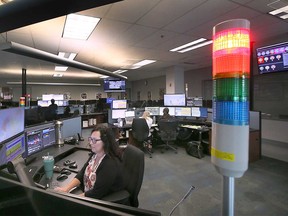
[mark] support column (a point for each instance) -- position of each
(24, 84)
(175, 80)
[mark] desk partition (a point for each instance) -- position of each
(71, 127)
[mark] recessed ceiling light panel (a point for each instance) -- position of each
(61, 68)
(79, 26)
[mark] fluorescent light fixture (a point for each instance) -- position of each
(55, 84)
(142, 63)
(188, 44)
(196, 46)
(284, 16)
(69, 56)
(57, 75)
(120, 71)
(61, 68)
(104, 77)
(79, 26)
(278, 11)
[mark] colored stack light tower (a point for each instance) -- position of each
(231, 71)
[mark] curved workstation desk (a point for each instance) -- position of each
(23, 185)
(36, 195)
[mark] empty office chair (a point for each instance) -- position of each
(168, 130)
(133, 171)
(140, 132)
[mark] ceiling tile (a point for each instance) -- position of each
(167, 11)
(156, 39)
(199, 15)
(108, 30)
(206, 29)
(130, 10)
(134, 34)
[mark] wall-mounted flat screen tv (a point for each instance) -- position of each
(273, 58)
(114, 85)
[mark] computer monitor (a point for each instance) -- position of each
(48, 136)
(153, 110)
(11, 122)
(118, 113)
(12, 149)
(171, 110)
(109, 100)
(174, 100)
(129, 114)
(49, 97)
(201, 112)
(183, 111)
(119, 104)
(42, 103)
(39, 137)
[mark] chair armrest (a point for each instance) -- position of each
(117, 197)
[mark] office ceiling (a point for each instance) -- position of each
(133, 30)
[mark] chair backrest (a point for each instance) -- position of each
(168, 129)
(133, 162)
(140, 129)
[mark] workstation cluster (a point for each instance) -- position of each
(22, 167)
(176, 103)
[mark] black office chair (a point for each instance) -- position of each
(140, 132)
(133, 171)
(168, 130)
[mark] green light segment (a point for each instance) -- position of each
(231, 89)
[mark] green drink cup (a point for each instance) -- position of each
(48, 162)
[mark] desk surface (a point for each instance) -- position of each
(80, 156)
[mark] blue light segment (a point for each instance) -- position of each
(231, 112)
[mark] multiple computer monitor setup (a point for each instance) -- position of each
(12, 139)
(38, 138)
(199, 112)
(16, 141)
(176, 103)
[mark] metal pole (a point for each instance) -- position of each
(24, 84)
(228, 196)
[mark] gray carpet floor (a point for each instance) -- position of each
(263, 190)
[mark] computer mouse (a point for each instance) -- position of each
(73, 166)
(66, 172)
(62, 177)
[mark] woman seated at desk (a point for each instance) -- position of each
(102, 173)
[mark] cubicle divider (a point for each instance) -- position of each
(71, 127)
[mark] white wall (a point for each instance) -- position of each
(275, 130)
(195, 78)
(175, 80)
(153, 85)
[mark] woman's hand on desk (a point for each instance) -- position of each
(61, 189)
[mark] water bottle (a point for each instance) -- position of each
(154, 120)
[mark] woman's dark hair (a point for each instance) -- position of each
(111, 147)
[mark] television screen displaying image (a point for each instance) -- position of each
(174, 100)
(116, 85)
(272, 58)
(11, 122)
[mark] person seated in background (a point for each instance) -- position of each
(102, 173)
(67, 112)
(166, 114)
(149, 120)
